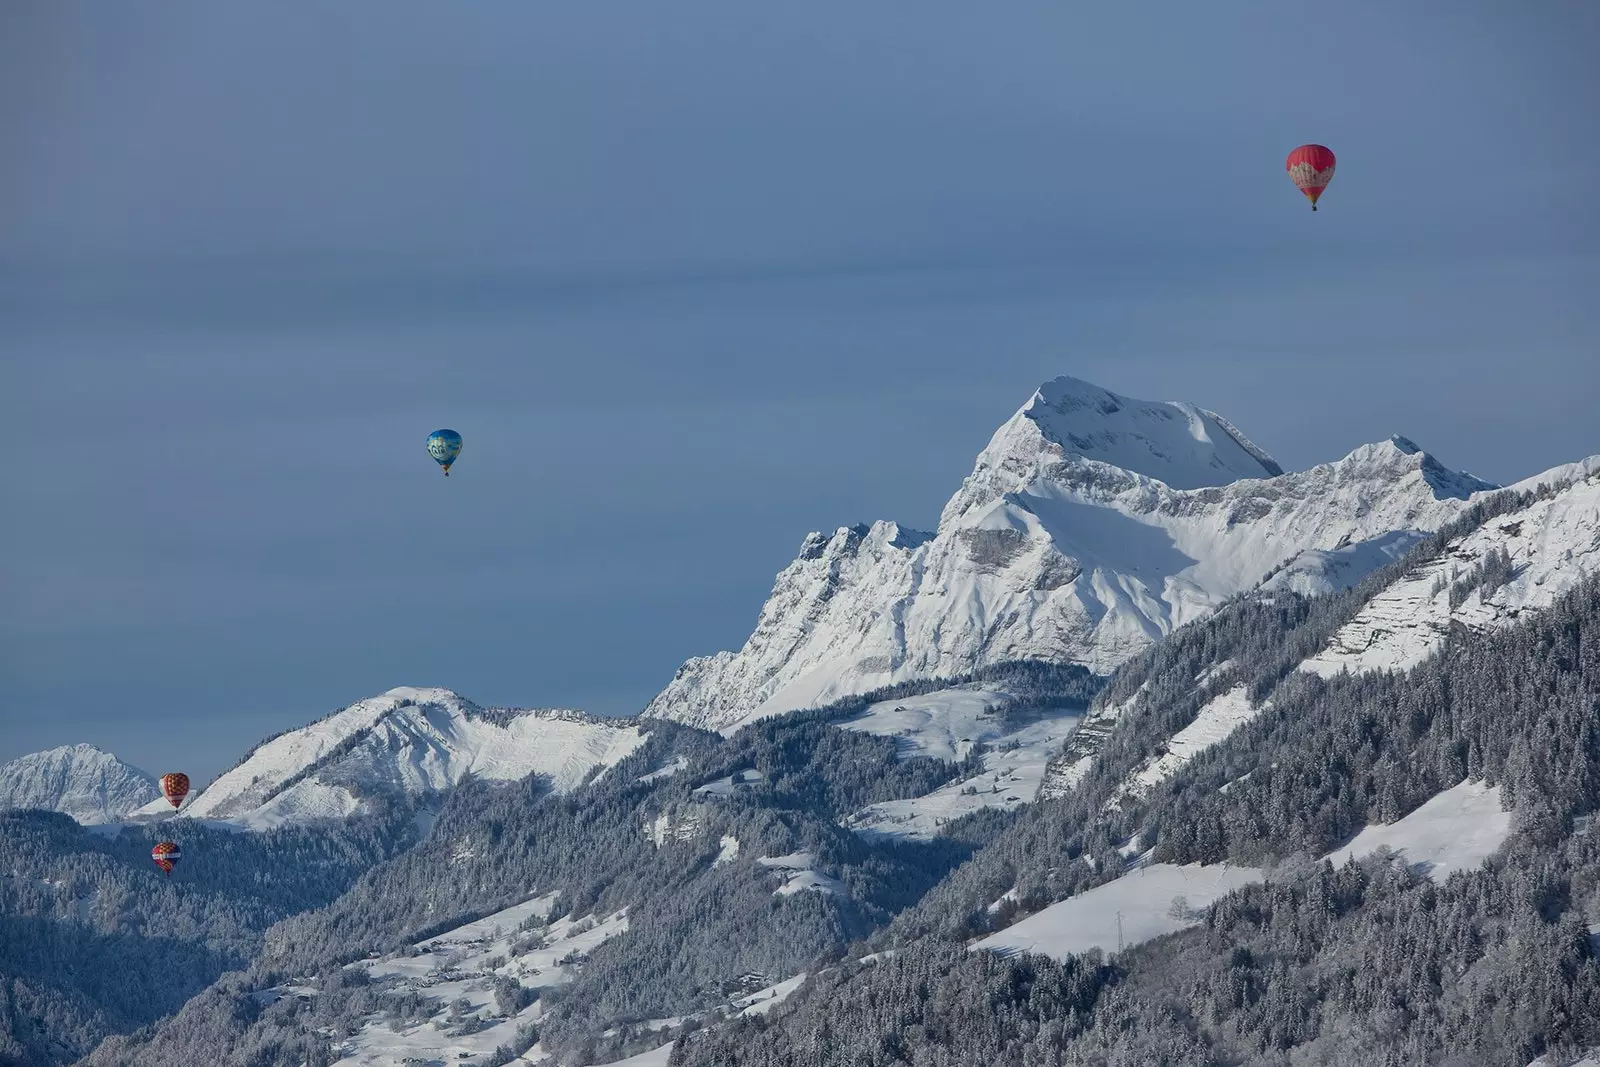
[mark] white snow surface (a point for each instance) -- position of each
(1090, 527)
(728, 852)
(799, 875)
(943, 724)
(91, 785)
(1453, 831)
(654, 1058)
(667, 770)
(763, 1001)
(725, 787)
(1221, 716)
(456, 964)
(1144, 899)
(408, 742)
(674, 826)
(1317, 571)
(1553, 544)
(946, 724)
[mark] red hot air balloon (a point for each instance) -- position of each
(175, 787)
(1311, 169)
(167, 854)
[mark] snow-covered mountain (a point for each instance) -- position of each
(1090, 527)
(1524, 558)
(405, 743)
(82, 781)
(1543, 551)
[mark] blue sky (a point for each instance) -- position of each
(693, 280)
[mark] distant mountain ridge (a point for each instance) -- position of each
(404, 744)
(82, 781)
(1091, 525)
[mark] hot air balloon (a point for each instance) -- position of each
(1311, 169)
(166, 855)
(444, 446)
(175, 787)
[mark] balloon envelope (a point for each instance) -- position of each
(175, 787)
(166, 855)
(1311, 169)
(444, 446)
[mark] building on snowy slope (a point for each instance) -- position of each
(77, 780)
(407, 744)
(1091, 526)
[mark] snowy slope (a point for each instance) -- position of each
(462, 964)
(799, 873)
(943, 724)
(1317, 571)
(1591, 1060)
(946, 724)
(79, 780)
(1221, 716)
(1454, 831)
(763, 1001)
(1144, 899)
(1553, 544)
(1090, 527)
(406, 743)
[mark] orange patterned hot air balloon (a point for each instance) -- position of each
(167, 854)
(175, 787)
(1311, 169)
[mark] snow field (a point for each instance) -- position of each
(667, 770)
(1220, 717)
(946, 724)
(1553, 545)
(799, 875)
(460, 964)
(724, 787)
(653, 1058)
(729, 851)
(1144, 899)
(943, 725)
(763, 1001)
(1052, 549)
(408, 741)
(1454, 830)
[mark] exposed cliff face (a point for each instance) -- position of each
(1091, 525)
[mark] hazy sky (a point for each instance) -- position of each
(692, 280)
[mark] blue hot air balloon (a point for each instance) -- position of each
(444, 446)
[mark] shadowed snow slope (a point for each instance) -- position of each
(406, 743)
(78, 780)
(1090, 527)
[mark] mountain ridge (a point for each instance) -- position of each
(404, 744)
(1071, 540)
(83, 781)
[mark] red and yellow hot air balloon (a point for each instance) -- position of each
(1311, 169)
(175, 787)
(166, 855)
